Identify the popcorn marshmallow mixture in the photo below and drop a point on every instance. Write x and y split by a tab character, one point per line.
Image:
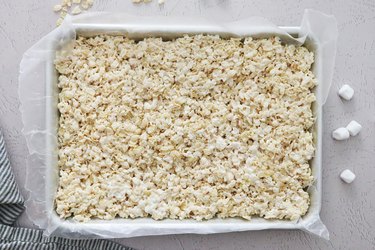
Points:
197	127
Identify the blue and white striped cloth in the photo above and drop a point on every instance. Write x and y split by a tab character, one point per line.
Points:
11	206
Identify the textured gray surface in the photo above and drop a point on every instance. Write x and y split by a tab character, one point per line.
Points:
348	210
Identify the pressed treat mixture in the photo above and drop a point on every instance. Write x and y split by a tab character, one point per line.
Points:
197	127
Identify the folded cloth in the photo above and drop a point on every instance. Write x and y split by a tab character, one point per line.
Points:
11	206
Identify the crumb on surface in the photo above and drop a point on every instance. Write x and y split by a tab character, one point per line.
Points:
75	7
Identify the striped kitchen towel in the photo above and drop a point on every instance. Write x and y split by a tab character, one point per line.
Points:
11	206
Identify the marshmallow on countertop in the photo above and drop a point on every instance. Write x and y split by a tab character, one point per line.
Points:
346	92
341	134
347	176
354	128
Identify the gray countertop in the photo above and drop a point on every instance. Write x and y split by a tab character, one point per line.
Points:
348	210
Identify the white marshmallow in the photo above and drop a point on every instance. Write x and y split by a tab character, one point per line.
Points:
347	176
354	128
346	92
341	134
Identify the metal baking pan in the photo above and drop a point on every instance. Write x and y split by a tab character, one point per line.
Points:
148	226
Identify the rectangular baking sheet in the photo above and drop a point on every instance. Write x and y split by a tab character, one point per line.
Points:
148	226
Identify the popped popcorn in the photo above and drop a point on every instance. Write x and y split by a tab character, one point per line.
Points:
192	128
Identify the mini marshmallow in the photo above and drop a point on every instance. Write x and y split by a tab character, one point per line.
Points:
347	176
354	128
346	92
341	134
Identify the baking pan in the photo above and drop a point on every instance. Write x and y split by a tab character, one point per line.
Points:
147	226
